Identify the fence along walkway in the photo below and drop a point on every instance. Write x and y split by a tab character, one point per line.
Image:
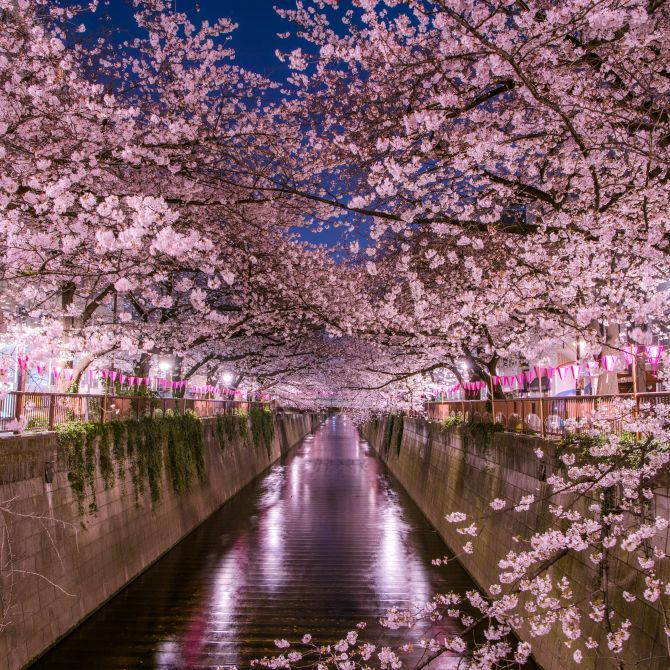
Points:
546	416
47	410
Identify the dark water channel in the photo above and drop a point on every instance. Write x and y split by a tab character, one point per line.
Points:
322	540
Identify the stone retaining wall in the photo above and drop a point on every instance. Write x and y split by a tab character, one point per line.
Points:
447	470
65	565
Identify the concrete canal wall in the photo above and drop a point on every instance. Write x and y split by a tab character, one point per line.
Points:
448	470
71	544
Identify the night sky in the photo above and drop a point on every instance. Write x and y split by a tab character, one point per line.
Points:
254	41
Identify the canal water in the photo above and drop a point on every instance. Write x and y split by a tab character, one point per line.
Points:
324	539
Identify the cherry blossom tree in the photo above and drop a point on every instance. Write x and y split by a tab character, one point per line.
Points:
131	212
508	162
500	175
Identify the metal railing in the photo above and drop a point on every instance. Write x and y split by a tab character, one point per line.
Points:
44	411
546	416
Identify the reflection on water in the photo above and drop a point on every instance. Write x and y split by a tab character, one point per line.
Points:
321	541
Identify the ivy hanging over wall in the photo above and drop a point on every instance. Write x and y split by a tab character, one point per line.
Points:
393	432
137	446
262	428
71	438
185	450
398	430
228	427
118	448
105	458
243	423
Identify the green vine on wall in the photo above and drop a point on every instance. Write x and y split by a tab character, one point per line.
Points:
393	432
229	426
243	423
150	454
262	428
185	450
72	437
398	430
92	431
118	449
145	442
105	455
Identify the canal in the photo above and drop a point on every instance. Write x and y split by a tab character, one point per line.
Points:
324	539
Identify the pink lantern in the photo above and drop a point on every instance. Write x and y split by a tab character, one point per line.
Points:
22	362
609	362
654	354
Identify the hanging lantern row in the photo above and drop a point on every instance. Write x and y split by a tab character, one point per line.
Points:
607	363
208	389
66	374
173	384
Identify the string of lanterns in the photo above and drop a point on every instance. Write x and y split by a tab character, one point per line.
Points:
607	362
61	373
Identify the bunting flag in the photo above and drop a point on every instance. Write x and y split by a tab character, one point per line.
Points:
68	374
57	372
609	362
41	367
22	362
575	369
654	354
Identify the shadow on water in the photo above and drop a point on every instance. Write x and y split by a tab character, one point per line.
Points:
322	540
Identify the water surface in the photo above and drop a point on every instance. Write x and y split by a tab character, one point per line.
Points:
322	540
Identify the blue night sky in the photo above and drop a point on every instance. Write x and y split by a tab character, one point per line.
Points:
254	41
